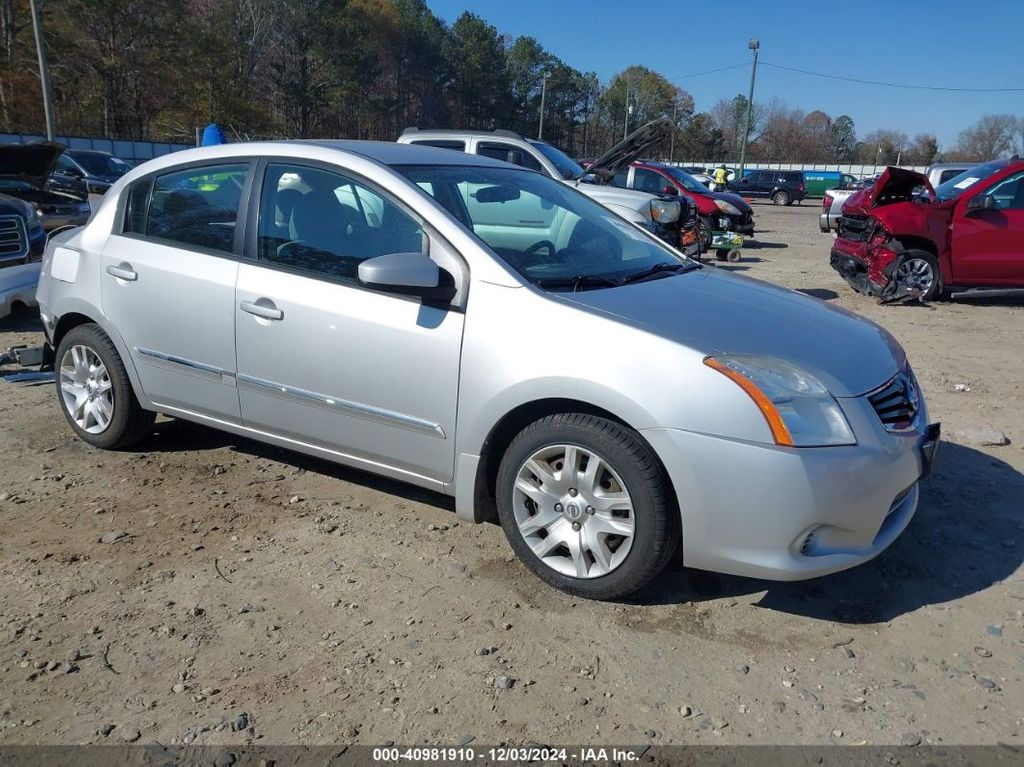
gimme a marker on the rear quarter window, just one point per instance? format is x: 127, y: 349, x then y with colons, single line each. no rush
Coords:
x: 454, y: 144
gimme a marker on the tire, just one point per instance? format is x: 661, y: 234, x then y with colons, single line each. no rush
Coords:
x: 607, y: 552
x: 87, y: 365
x: 722, y: 254
x: 919, y: 270
x: 707, y: 226
x: 782, y: 197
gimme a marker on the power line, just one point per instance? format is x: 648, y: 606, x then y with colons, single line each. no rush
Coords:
x: 708, y: 72
x: 891, y: 85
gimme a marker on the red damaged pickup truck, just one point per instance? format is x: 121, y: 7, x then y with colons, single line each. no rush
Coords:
x: 901, y: 237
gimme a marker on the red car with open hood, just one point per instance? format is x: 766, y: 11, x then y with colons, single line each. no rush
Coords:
x: 901, y: 236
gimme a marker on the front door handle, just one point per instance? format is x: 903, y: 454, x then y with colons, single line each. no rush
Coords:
x: 262, y: 307
x: 123, y: 271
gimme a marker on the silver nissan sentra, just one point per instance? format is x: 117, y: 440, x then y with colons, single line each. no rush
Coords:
x: 484, y: 331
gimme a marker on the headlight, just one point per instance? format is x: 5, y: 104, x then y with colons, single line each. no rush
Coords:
x: 728, y: 208
x: 799, y: 410
x: 665, y: 211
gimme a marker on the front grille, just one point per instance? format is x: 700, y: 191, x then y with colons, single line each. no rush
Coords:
x: 898, y: 402
x: 13, y: 238
x: 854, y: 228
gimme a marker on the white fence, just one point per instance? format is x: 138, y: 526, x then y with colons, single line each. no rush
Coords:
x: 854, y: 169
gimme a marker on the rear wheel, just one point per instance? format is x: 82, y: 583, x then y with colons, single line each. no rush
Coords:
x: 919, y: 271
x: 782, y: 197
x: 95, y: 393
x: 586, y: 506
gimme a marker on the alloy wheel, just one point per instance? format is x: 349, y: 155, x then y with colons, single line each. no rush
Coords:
x: 86, y: 389
x: 915, y: 274
x: 573, y: 511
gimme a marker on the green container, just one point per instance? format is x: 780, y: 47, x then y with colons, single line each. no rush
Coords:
x: 818, y: 181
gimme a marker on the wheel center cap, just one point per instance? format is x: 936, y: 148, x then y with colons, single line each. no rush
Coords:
x: 573, y: 511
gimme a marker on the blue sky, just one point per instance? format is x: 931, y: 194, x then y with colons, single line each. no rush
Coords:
x: 927, y: 42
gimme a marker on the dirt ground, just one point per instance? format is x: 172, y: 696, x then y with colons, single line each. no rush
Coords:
x: 261, y: 596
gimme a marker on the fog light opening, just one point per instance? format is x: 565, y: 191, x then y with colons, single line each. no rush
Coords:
x: 807, y: 542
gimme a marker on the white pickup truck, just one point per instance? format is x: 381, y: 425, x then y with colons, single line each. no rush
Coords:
x: 832, y: 207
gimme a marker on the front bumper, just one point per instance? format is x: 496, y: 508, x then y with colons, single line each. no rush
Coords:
x: 56, y: 220
x: 18, y: 285
x: 780, y: 513
x: 868, y: 269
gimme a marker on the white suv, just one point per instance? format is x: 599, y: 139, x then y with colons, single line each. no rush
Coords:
x: 667, y: 216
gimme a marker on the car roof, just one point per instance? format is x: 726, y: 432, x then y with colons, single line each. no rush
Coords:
x: 381, y: 152
x: 393, y: 153
x: 452, y: 132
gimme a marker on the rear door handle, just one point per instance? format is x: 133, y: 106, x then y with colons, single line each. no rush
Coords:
x: 123, y: 271
x: 262, y: 307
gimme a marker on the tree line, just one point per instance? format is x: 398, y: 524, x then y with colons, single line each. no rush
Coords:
x: 157, y: 69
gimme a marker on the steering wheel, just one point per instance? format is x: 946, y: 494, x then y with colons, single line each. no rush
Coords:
x: 284, y: 246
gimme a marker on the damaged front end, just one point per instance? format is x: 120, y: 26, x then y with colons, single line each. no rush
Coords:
x: 867, y: 257
x: 865, y: 252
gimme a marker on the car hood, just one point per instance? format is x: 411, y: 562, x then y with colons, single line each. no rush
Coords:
x: 613, y: 195
x: 714, y: 312
x: 629, y: 149
x: 11, y: 206
x: 29, y: 162
x: 44, y: 198
x: 733, y: 199
x: 894, y: 185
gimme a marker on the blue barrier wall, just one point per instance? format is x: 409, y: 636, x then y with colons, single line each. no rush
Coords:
x: 133, y: 152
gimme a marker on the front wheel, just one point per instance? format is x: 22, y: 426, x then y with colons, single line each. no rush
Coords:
x: 586, y: 506
x: 919, y: 272
x: 95, y: 393
x: 782, y: 197
x: 707, y: 227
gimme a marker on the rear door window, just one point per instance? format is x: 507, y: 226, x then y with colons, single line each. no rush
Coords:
x: 497, y: 150
x: 194, y: 207
x: 455, y: 144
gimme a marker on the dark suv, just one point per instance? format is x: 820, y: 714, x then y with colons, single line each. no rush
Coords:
x: 783, y: 187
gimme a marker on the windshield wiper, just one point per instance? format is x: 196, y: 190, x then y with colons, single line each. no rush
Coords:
x: 658, y: 270
x: 579, y: 281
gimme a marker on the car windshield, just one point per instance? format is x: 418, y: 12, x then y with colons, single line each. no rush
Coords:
x: 564, y: 164
x: 97, y: 164
x: 552, y: 235
x: 957, y: 185
x: 685, y: 180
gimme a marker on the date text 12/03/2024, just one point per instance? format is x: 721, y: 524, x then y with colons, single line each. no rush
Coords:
x: 503, y: 754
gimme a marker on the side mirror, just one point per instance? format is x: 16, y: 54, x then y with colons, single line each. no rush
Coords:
x: 408, y: 274
x: 73, y: 172
x: 669, y: 189
x: 981, y: 202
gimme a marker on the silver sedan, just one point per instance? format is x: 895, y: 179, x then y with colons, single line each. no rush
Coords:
x: 481, y: 330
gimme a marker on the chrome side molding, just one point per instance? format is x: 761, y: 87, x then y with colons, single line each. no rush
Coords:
x: 355, y: 409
